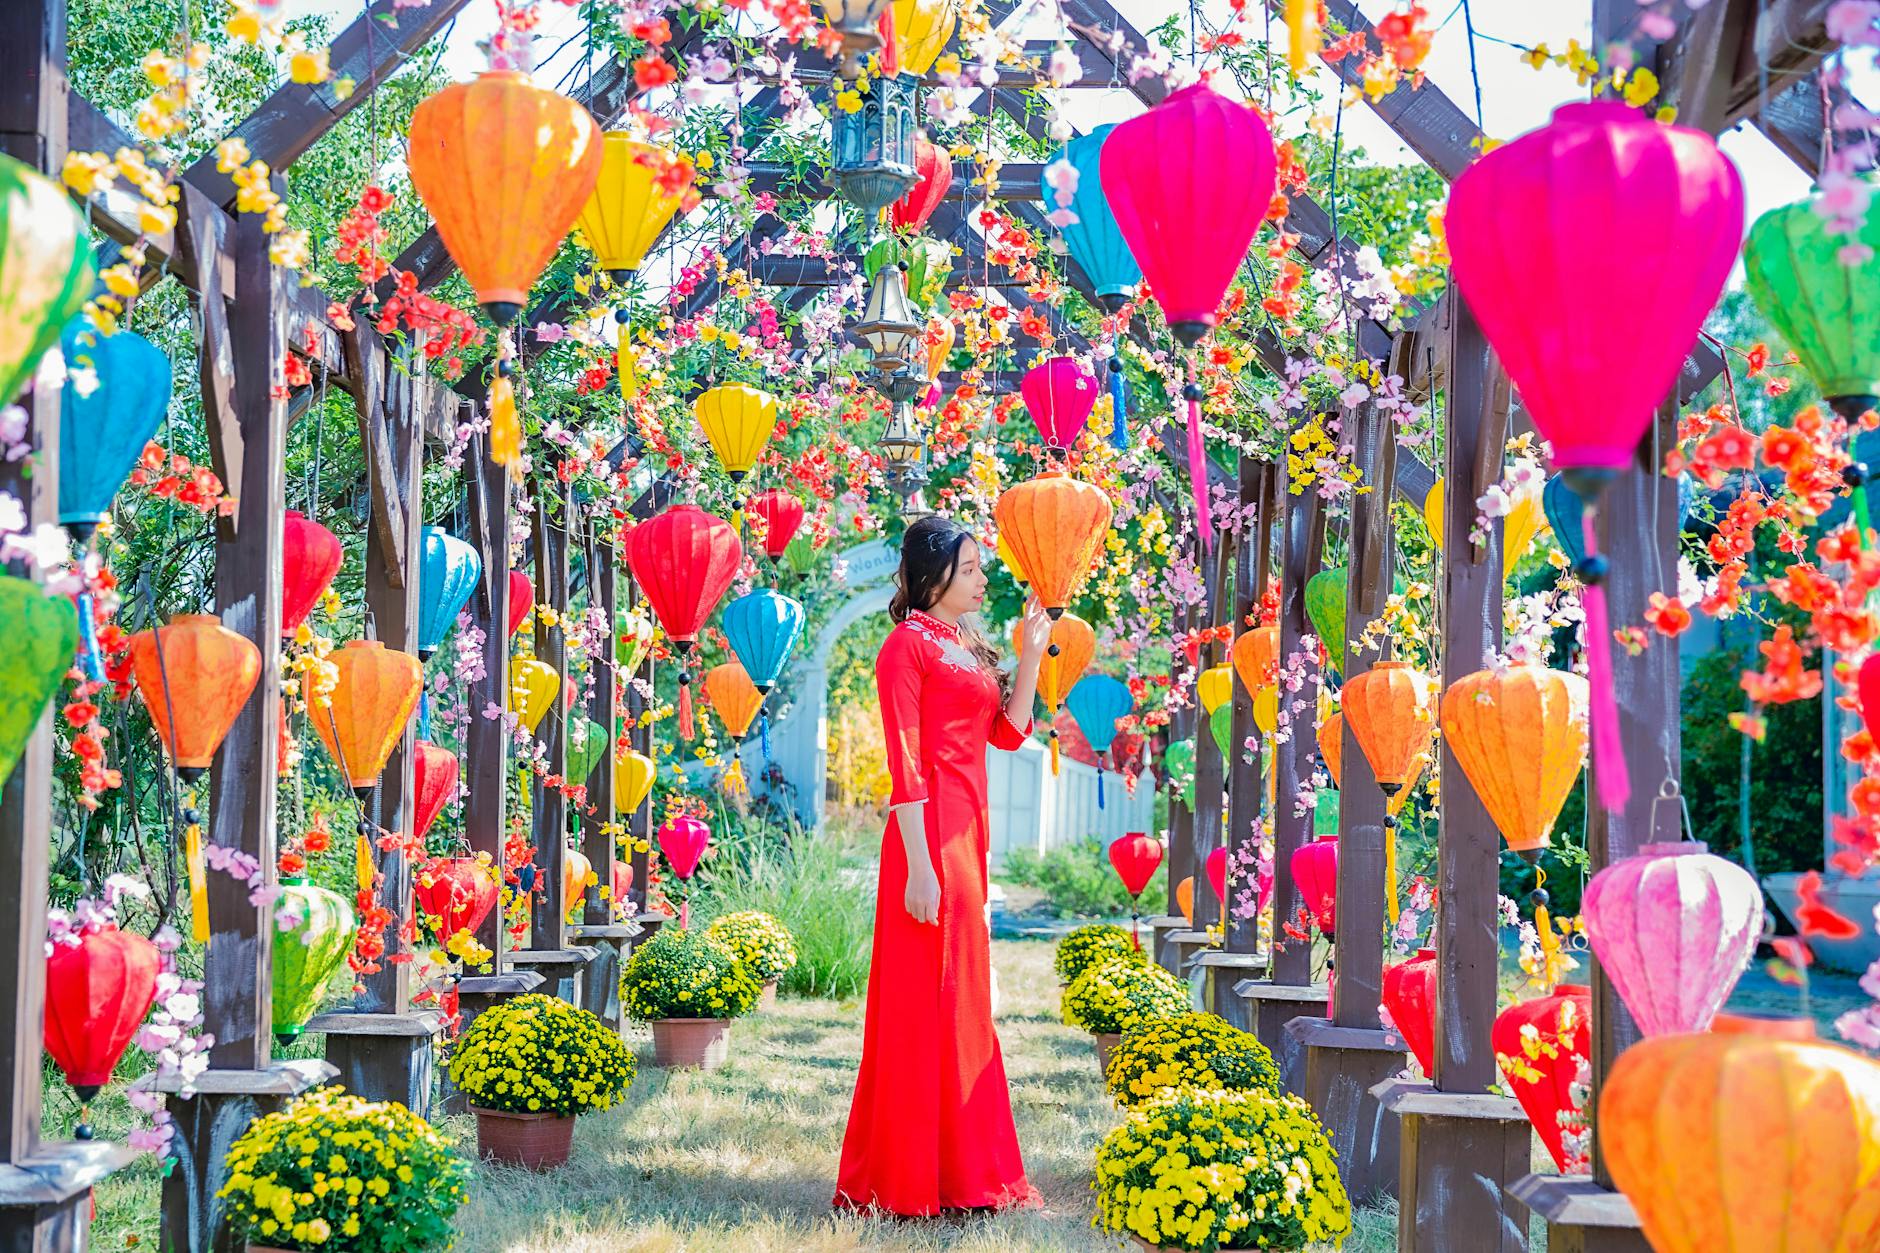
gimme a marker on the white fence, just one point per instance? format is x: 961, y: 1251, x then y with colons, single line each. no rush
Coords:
x: 1031, y: 809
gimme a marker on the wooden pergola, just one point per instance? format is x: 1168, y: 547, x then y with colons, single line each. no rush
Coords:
x: 1434, y: 1144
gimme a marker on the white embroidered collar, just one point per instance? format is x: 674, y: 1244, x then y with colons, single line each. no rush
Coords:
x: 933, y: 625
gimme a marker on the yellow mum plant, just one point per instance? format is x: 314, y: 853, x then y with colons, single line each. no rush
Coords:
x: 1093, y: 945
x: 1192, y: 1169
x: 763, y: 944
x: 1192, y: 1050
x: 686, y: 974
x: 1121, y: 994
x: 538, y: 1055
x: 335, y: 1172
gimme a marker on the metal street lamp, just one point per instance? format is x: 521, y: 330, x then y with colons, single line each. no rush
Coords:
x: 888, y: 328
x: 872, y: 148
x: 902, y: 444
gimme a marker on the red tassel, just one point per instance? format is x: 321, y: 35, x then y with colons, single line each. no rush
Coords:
x: 686, y: 727
x: 1198, y: 476
x: 685, y: 913
x: 1135, y: 931
x: 1609, y: 769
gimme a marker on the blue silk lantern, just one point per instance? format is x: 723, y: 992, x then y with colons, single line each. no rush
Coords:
x: 103, y: 432
x: 762, y: 629
x: 1095, y: 241
x: 1096, y: 702
x: 448, y: 570
x: 1563, y: 510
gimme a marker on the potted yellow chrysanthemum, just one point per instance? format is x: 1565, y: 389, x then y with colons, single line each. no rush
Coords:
x: 1109, y: 999
x: 1093, y: 945
x: 528, y: 1066
x: 763, y: 944
x: 688, y: 985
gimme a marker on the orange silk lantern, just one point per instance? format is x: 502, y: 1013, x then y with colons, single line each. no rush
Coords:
x: 1392, y: 715
x: 505, y: 167
x: 1743, y: 1143
x: 577, y: 872
x: 1256, y: 658
x: 1072, y: 646
x: 1185, y: 898
x: 197, y: 687
x: 370, y: 706
x: 1332, y: 746
x: 734, y: 697
x: 1520, y: 737
x: 1055, y: 526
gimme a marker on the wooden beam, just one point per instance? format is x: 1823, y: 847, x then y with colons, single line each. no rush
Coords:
x: 551, y: 521
x: 1246, y: 791
x: 1302, y: 542
x: 1018, y: 180
x: 1094, y: 69
x: 1796, y: 122
x: 486, y: 745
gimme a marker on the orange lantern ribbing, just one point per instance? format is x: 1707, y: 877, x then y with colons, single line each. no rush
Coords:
x: 1520, y: 737
x: 1068, y: 655
x: 1392, y: 714
x: 1332, y: 746
x: 733, y: 696
x: 1256, y: 658
x: 197, y: 687
x: 371, y: 704
x: 1055, y: 526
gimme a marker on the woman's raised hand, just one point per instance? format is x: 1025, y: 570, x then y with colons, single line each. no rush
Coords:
x: 1037, y: 628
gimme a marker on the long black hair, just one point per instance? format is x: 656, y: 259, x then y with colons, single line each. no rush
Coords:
x: 930, y: 557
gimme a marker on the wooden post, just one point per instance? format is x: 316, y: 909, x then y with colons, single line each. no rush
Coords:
x: 1462, y: 1147
x: 1181, y: 827
x: 1350, y: 1053
x: 1290, y: 992
x: 1210, y: 762
x: 382, y: 1047
x: 640, y: 735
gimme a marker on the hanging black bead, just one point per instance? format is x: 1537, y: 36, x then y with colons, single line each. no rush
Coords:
x: 1591, y: 569
x: 1191, y: 392
x: 1854, y: 473
x: 1538, y: 898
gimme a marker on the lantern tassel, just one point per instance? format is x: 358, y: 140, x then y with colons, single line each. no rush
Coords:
x: 424, y: 712
x: 1119, y: 409
x: 1390, y: 872
x: 686, y: 728
x: 1609, y: 768
x: 890, y: 52
x: 685, y: 912
x: 198, y: 884
x: 1054, y: 754
x: 734, y: 777
x: 1550, y: 946
x: 1099, y: 783
x: 88, y: 637
x: 1135, y: 930
x: 1198, y: 469
x: 932, y: 399
x: 505, y: 425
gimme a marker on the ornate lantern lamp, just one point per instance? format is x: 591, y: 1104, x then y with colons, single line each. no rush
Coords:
x: 902, y: 444
x: 889, y: 329
x: 872, y: 148
x: 858, y: 22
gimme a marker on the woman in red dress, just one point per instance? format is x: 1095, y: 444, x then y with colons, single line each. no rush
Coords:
x: 931, y: 1125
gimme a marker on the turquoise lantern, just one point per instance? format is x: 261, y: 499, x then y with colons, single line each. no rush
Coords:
x: 448, y: 570
x: 1095, y: 241
x: 103, y: 430
x: 1096, y: 702
x: 762, y: 629
x: 1563, y: 509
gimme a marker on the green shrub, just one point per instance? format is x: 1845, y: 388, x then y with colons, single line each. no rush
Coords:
x: 1093, y: 945
x: 827, y: 904
x: 1078, y: 881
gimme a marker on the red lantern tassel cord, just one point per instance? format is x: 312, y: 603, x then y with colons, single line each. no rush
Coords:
x: 1198, y: 463
x: 686, y: 727
x: 1609, y: 769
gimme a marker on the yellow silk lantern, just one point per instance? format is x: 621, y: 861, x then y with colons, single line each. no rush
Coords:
x: 734, y: 697
x: 373, y: 697
x: 630, y: 207
x: 633, y: 779
x: 738, y: 420
x: 1519, y: 528
x: 1010, y: 562
x: 1302, y: 34
x: 1215, y: 687
x: 921, y: 31
x: 1520, y: 737
x: 533, y: 686
x: 1266, y: 709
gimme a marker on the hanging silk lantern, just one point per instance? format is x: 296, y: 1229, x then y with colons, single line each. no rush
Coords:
x: 1178, y: 763
x: 504, y: 167
x: 1303, y: 34
x: 633, y: 638
x: 1096, y: 702
x: 1745, y: 1143
x: 36, y: 649
x: 1519, y: 526
x: 203, y: 678
x: 1410, y: 998
x: 1059, y: 394
x: 1332, y: 746
x: 521, y: 600
x: 1096, y: 242
x: 762, y: 629
x: 1135, y: 857
x: 738, y: 419
x: 1221, y: 726
x: 921, y: 29
x: 634, y: 773
x: 1325, y: 610
x: 622, y: 879
x: 583, y: 757
x: 682, y: 840
x: 933, y: 175
x: 306, y: 956
x: 1673, y: 927
x: 436, y: 771
x: 46, y: 270
x: 1067, y: 656
x: 1216, y: 868
x: 782, y: 514
x: 1520, y: 737
x: 103, y: 427
x: 1824, y: 308
x: 1563, y: 511
x: 1185, y: 899
x: 99, y: 986
x: 733, y: 697
x: 1056, y: 526
x: 638, y: 190
x: 1266, y: 709
x: 533, y: 686
x: 684, y: 560
x: 1542, y: 231
x: 1256, y: 658
x: 457, y: 893
x: 1009, y: 560
x: 310, y: 558
x: 577, y: 872
x: 1215, y: 687
x: 370, y: 706
x: 1391, y: 712
x: 1315, y: 872
x: 448, y: 571
x: 1539, y: 1045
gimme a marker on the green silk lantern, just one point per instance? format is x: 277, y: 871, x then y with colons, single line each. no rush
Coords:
x: 1827, y: 311
x: 46, y: 271
x: 306, y: 956
x: 36, y: 650
x: 1221, y: 722
x: 582, y: 760
x: 800, y: 556
x: 1179, y: 762
x: 633, y: 635
x: 1325, y: 609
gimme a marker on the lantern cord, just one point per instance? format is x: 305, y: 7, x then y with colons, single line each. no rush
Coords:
x: 1198, y: 462
x: 1863, y: 518
x: 1609, y: 768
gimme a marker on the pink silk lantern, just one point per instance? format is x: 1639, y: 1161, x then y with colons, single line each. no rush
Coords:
x: 683, y: 840
x: 1315, y: 871
x: 1059, y: 394
x: 1590, y: 251
x: 1673, y: 927
x: 1190, y: 181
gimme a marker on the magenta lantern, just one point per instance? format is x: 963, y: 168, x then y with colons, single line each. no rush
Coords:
x: 1590, y: 251
x: 1217, y: 874
x: 1315, y: 871
x: 1673, y: 927
x: 310, y: 557
x: 1410, y: 997
x: 683, y: 841
x: 1059, y: 394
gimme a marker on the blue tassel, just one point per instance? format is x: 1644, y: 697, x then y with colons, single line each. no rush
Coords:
x: 424, y: 712
x: 763, y: 738
x: 1099, y: 787
x: 1119, y: 407
x: 88, y: 636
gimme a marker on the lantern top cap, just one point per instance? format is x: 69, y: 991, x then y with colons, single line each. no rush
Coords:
x: 364, y: 644
x: 1326, y: 839
x: 1672, y: 848
x: 181, y: 619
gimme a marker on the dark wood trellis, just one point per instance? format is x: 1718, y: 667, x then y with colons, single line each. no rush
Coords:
x: 1731, y: 61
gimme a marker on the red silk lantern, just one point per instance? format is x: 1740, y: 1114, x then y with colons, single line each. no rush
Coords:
x: 310, y: 557
x: 1217, y: 875
x: 1136, y: 858
x: 1059, y: 395
x: 1869, y: 689
x: 1543, y: 231
x: 97, y: 993
x: 684, y: 560
x: 437, y: 771
x: 204, y: 678
x: 1541, y: 1064
x: 521, y: 599
x: 933, y: 175
x: 459, y: 892
x: 782, y: 514
x: 1410, y: 997
x: 622, y: 880
x: 1315, y: 871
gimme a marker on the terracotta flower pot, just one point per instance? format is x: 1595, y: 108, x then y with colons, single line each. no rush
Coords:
x: 769, y: 999
x: 1106, y: 1044
x: 531, y: 1141
x: 704, y: 1043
